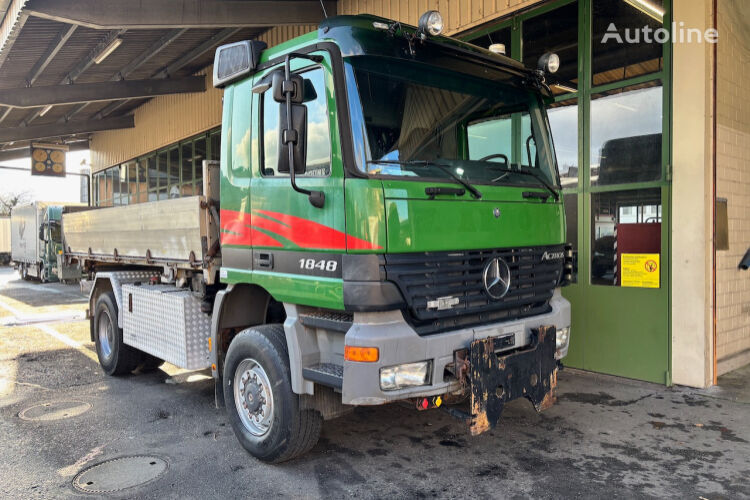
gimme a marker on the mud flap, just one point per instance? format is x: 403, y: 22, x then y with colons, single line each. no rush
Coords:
x: 495, y: 380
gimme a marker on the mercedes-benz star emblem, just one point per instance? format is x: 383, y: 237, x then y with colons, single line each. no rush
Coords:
x: 497, y: 278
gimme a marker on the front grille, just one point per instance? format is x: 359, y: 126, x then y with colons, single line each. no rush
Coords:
x: 425, y: 277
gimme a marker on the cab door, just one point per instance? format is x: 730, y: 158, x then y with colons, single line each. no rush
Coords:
x: 297, y: 247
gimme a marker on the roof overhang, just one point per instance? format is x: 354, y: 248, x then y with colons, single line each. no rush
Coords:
x: 72, y: 67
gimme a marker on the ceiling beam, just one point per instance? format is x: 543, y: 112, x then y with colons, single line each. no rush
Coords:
x: 178, y: 64
x: 79, y: 68
x: 29, y: 97
x: 49, y: 54
x: 157, y: 14
x: 133, y: 65
x: 195, y: 53
x: 10, y: 134
x: 149, y: 53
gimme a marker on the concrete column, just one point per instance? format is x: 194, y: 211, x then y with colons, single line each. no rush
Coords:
x: 692, y: 200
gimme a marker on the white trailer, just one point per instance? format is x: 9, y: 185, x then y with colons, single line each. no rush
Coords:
x: 26, y: 245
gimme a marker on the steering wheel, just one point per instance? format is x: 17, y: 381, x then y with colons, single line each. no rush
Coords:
x: 495, y: 155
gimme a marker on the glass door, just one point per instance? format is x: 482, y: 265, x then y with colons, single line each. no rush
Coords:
x: 610, y: 122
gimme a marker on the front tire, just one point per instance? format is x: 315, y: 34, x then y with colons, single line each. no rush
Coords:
x: 261, y: 406
x: 115, y: 357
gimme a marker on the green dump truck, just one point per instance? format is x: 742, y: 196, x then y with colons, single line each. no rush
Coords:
x: 385, y: 225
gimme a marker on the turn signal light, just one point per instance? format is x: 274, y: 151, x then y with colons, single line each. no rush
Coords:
x: 361, y: 354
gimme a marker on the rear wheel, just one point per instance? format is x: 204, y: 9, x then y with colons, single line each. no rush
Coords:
x: 261, y: 406
x: 115, y: 357
x: 24, y: 272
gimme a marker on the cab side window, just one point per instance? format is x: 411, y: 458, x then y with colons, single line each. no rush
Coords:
x: 318, y: 136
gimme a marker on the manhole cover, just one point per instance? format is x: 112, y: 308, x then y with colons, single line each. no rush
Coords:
x: 119, y: 473
x: 54, y: 411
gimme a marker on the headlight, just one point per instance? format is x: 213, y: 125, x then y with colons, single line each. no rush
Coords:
x: 393, y: 378
x: 562, y: 342
x: 431, y: 23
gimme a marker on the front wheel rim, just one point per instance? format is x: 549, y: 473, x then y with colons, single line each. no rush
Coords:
x: 106, y: 333
x: 253, y: 397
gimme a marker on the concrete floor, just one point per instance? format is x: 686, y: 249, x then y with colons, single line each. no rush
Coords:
x: 607, y: 437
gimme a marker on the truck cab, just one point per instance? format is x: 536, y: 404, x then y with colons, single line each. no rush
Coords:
x: 416, y: 211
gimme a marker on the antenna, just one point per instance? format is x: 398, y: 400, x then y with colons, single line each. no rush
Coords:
x: 324, y: 9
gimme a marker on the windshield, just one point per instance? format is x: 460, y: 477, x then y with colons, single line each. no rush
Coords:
x: 423, y: 122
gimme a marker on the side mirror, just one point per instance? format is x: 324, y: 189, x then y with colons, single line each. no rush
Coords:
x: 297, y: 135
x: 297, y: 87
x: 289, y: 89
x: 41, y: 232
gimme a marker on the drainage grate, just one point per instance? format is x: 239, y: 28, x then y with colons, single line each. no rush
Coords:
x: 56, y: 410
x: 120, y: 473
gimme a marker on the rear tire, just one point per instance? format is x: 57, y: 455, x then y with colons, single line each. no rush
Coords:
x: 261, y: 406
x: 115, y: 357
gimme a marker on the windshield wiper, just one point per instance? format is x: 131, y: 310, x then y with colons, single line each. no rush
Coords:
x: 424, y: 163
x: 535, y: 176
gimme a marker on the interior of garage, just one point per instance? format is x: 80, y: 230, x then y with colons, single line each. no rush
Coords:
x: 612, y: 120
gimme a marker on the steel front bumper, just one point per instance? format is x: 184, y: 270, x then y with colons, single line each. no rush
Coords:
x: 494, y: 380
x: 398, y: 343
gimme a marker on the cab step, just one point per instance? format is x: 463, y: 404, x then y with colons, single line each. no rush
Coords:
x: 338, y: 322
x: 328, y: 374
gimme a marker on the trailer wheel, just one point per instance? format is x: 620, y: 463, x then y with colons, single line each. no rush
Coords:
x: 261, y: 406
x: 115, y: 357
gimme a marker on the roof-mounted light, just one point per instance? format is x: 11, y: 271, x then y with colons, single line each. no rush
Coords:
x: 236, y: 60
x: 549, y: 62
x: 497, y: 48
x: 430, y: 23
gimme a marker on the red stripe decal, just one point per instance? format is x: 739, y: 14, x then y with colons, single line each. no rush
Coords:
x: 304, y: 233
x: 236, y: 230
x: 261, y: 239
x: 237, y: 225
x: 240, y: 228
x: 308, y: 234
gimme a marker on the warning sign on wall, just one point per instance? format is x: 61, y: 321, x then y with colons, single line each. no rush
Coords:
x: 639, y: 270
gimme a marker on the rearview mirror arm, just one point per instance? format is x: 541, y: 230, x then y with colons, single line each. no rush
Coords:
x: 317, y: 198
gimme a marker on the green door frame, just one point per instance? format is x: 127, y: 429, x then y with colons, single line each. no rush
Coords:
x: 583, y: 190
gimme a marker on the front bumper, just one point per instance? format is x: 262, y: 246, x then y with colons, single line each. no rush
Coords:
x: 398, y: 344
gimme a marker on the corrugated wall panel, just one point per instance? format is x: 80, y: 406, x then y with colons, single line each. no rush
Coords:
x: 458, y: 15
x: 168, y: 119
x: 159, y: 122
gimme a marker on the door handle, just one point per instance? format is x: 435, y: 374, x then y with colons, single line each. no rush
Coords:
x: 264, y: 260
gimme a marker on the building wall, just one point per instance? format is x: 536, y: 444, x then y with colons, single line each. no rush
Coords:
x: 733, y: 183
x: 159, y: 122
